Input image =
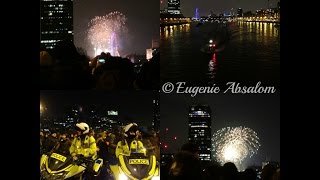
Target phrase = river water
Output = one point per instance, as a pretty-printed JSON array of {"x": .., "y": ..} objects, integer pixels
[{"x": 246, "y": 52}]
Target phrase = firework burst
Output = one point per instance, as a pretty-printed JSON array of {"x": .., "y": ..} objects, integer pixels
[
  {"x": 234, "y": 144},
  {"x": 105, "y": 31}
]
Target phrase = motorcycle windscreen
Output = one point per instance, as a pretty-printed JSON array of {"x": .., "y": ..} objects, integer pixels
[
  {"x": 58, "y": 162},
  {"x": 139, "y": 165}
]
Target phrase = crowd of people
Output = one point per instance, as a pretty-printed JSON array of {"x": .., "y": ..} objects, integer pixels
[
  {"x": 185, "y": 164},
  {"x": 65, "y": 67},
  {"x": 87, "y": 142}
]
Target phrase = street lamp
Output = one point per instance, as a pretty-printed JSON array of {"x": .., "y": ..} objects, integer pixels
[{"x": 42, "y": 108}]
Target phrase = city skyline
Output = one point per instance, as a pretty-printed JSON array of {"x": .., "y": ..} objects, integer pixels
[
  {"x": 142, "y": 23},
  {"x": 258, "y": 112},
  {"x": 135, "y": 105},
  {"x": 188, "y": 7},
  {"x": 56, "y": 22}
]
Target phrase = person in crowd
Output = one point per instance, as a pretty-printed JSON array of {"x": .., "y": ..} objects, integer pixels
[
  {"x": 102, "y": 146},
  {"x": 186, "y": 164},
  {"x": 84, "y": 145},
  {"x": 155, "y": 142},
  {"x": 99, "y": 60},
  {"x": 63, "y": 145},
  {"x": 92, "y": 133},
  {"x": 267, "y": 172},
  {"x": 149, "y": 76},
  {"x": 114, "y": 74},
  {"x": 230, "y": 171},
  {"x": 276, "y": 175},
  {"x": 113, "y": 138},
  {"x": 103, "y": 153},
  {"x": 248, "y": 174},
  {"x": 213, "y": 172},
  {"x": 143, "y": 135},
  {"x": 133, "y": 141},
  {"x": 50, "y": 142},
  {"x": 42, "y": 140},
  {"x": 71, "y": 70}
]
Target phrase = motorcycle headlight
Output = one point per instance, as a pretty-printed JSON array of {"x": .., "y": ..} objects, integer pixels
[
  {"x": 122, "y": 177},
  {"x": 155, "y": 178}
]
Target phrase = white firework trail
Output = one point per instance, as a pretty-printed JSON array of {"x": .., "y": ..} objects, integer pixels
[
  {"x": 234, "y": 144},
  {"x": 105, "y": 31}
]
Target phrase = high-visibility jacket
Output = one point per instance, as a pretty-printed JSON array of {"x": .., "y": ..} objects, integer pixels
[
  {"x": 87, "y": 148},
  {"x": 135, "y": 146}
]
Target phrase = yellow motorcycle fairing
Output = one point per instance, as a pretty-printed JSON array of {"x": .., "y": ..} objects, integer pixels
[
  {"x": 154, "y": 171},
  {"x": 71, "y": 170}
]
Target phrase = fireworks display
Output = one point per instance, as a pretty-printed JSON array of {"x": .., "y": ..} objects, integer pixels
[
  {"x": 234, "y": 144},
  {"x": 105, "y": 31}
]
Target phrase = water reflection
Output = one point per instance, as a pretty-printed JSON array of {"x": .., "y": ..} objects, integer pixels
[
  {"x": 212, "y": 68},
  {"x": 247, "y": 51},
  {"x": 169, "y": 31},
  {"x": 257, "y": 31}
]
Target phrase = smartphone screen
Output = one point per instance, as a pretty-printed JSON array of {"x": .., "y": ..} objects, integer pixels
[{"x": 102, "y": 60}]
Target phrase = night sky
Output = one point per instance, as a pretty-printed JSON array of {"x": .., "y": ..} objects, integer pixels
[
  {"x": 142, "y": 22},
  {"x": 219, "y": 6},
  {"x": 258, "y": 112},
  {"x": 137, "y": 105}
]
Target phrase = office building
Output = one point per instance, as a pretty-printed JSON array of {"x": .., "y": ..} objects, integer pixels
[
  {"x": 174, "y": 7},
  {"x": 200, "y": 130},
  {"x": 56, "y": 22},
  {"x": 240, "y": 12}
]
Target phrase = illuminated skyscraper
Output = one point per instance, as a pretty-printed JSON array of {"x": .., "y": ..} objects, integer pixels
[
  {"x": 56, "y": 22},
  {"x": 174, "y": 7},
  {"x": 156, "y": 111},
  {"x": 240, "y": 12},
  {"x": 200, "y": 129}
]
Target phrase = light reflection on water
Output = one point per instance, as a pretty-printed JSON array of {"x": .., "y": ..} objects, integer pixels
[{"x": 247, "y": 52}]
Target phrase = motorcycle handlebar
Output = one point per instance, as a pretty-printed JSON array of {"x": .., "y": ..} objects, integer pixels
[{"x": 81, "y": 159}]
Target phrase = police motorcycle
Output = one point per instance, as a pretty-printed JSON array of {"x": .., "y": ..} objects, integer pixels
[
  {"x": 135, "y": 163},
  {"x": 58, "y": 166}
]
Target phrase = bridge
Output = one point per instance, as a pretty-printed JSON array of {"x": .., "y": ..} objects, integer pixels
[
  {"x": 173, "y": 19},
  {"x": 260, "y": 19}
]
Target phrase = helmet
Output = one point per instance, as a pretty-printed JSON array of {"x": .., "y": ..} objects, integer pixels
[
  {"x": 83, "y": 127},
  {"x": 130, "y": 129}
]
